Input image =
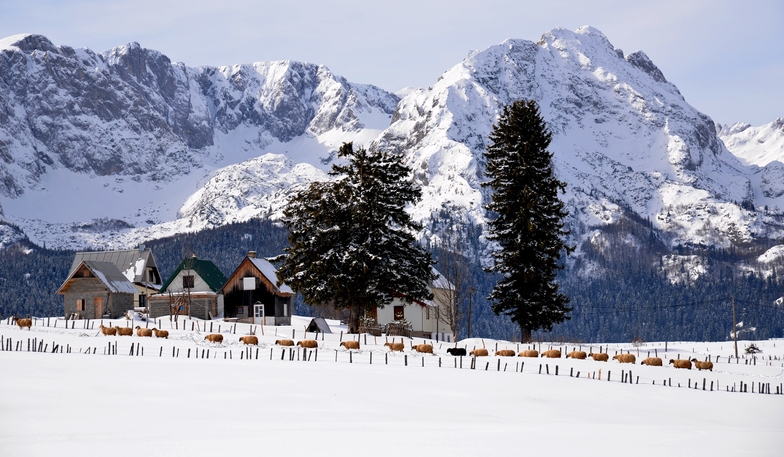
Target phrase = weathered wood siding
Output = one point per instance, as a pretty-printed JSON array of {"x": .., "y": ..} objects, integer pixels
[
  {"x": 88, "y": 289},
  {"x": 237, "y": 299}
]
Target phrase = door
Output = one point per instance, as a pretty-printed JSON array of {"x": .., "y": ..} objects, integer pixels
[
  {"x": 258, "y": 314},
  {"x": 98, "y": 304}
]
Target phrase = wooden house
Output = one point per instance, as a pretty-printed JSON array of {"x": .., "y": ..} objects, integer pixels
[
  {"x": 95, "y": 290},
  {"x": 137, "y": 265},
  {"x": 192, "y": 290},
  {"x": 251, "y": 294},
  {"x": 422, "y": 317}
]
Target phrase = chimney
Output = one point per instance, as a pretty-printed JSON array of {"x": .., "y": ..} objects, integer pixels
[{"x": 251, "y": 254}]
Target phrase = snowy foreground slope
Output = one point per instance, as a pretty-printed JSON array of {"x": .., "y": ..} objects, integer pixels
[{"x": 86, "y": 404}]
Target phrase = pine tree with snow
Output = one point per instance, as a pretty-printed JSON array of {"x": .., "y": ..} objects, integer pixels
[
  {"x": 528, "y": 226},
  {"x": 351, "y": 241}
]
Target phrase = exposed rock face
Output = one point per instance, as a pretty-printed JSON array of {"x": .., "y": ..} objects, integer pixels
[
  {"x": 129, "y": 120},
  {"x": 132, "y": 112},
  {"x": 624, "y": 138}
]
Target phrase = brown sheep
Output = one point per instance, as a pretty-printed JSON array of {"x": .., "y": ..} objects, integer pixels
[
  {"x": 425, "y": 348},
  {"x": 678, "y": 363},
  {"x": 214, "y": 338},
  {"x": 395, "y": 346},
  {"x": 350, "y": 344},
  {"x": 284, "y": 342},
  {"x": 479, "y": 353},
  {"x": 702, "y": 365},
  {"x": 250, "y": 340},
  {"x": 577, "y": 355},
  {"x": 505, "y": 353},
  {"x": 108, "y": 330},
  {"x": 160, "y": 333},
  {"x": 625, "y": 358},
  {"x": 529, "y": 353},
  {"x": 652, "y": 361},
  {"x": 599, "y": 357},
  {"x": 552, "y": 354},
  {"x": 124, "y": 331},
  {"x": 22, "y": 323},
  {"x": 143, "y": 331},
  {"x": 310, "y": 344}
]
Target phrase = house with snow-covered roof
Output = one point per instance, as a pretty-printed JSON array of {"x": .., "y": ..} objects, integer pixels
[
  {"x": 252, "y": 294},
  {"x": 192, "y": 290},
  {"x": 95, "y": 289},
  {"x": 420, "y": 318},
  {"x": 137, "y": 265}
]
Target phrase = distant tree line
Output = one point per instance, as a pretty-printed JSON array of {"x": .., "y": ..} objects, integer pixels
[{"x": 629, "y": 298}]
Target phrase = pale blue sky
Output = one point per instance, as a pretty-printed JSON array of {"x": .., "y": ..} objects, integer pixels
[{"x": 727, "y": 57}]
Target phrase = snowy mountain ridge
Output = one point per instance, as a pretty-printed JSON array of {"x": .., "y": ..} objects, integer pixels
[
  {"x": 624, "y": 139},
  {"x": 160, "y": 147},
  {"x": 132, "y": 135}
]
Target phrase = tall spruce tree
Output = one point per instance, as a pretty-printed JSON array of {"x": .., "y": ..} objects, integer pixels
[
  {"x": 529, "y": 227},
  {"x": 351, "y": 242}
]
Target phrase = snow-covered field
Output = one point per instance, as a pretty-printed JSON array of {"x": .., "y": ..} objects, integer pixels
[{"x": 86, "y": 403}]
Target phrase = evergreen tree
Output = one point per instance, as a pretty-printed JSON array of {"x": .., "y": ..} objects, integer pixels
[
  {"x": 351, "y": 241},
  {"x": 529, "y": 227}
]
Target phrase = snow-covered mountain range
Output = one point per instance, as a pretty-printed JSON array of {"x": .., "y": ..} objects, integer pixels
[
  {"x": 131, "y": 140},
  {"x": 110, "y": 149}
]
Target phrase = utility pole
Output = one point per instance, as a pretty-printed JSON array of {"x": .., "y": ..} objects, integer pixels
[
  {"x": 470, "y": 308},
  {"x": 734, "y": 327}
]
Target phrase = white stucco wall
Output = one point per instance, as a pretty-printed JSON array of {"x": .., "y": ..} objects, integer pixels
[
  {"x": 414, "y": 313},
  {"x": 198, "y": 284}
]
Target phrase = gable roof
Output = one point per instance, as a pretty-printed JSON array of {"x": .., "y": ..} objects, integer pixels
[
  {"x": 206, "y": 270},
  {"x": 440, "y": 282},
  {"x": 269, "y": 271},
  {"x": 106, "y": 272},
  {"x": 266, "y": 271},
  {"x": 131, "y": 262}
]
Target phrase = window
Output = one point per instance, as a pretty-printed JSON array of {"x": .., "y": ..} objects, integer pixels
[
  {"x": 249, "y": 283},
  {"x": 241, "y": 310},
  {"x": 187, "y": 282},
  {"x": 398, "y": 310},
  {"x": 80, "y": 305}
]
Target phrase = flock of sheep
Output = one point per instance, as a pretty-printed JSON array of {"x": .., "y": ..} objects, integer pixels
[{"x": 421, "y": 348}]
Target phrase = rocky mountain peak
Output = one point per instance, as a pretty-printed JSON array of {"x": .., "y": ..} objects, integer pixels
[{"x": 28, "y": 43}]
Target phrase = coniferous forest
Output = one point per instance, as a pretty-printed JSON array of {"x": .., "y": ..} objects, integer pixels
[{"x": 627, "y": 298}]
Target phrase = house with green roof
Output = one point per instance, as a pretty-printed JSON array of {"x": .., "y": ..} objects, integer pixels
[{"x": 192, "y": 290}]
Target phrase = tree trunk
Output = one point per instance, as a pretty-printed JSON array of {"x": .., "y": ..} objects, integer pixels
[
  {"x": 353, "y": 319},
  {"x": 525, "y": 336}
]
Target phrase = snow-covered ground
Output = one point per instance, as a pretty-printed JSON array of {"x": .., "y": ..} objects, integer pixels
[{"x": 88, "y": 403}]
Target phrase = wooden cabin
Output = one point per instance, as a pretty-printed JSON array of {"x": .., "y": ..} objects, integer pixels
[
  {"x": 95, "y": 290},
  {"x": 137, "y": 265},
  {"x": 192, "y": 290},
  {"x": 251, "y": 294}
]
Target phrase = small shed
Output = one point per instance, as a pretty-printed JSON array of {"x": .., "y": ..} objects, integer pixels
[
  {"x": 251, "y": 294},
  {"x": 95, "y": 289},
  {"x": 318, "y": 325},
  {"x": 192, "y": 289}
]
